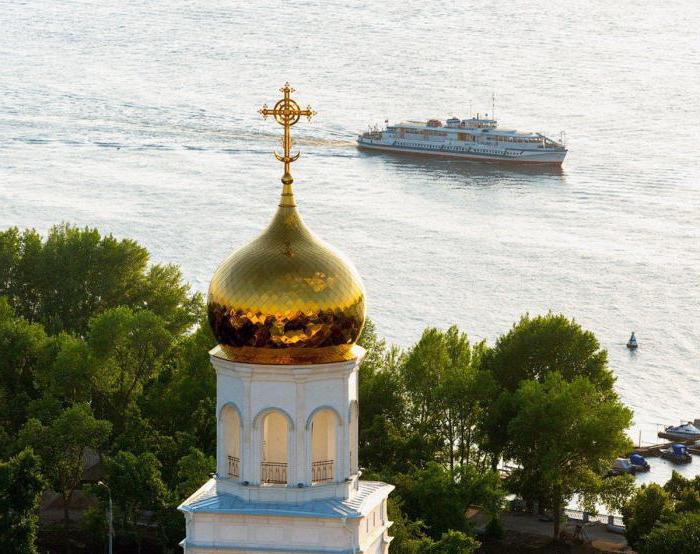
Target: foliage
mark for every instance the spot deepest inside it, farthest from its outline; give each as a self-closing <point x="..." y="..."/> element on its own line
<point x="538" y="346"/>
<point x="565" y="435"/>
<point x="613" y="493"/>
<point x="648" y="506"/>
<point x="136" y="485"/>
<point x="21" y="485"/>
<point x="24" y="349"/>
<point x="408" y="535"/>
<point x="61" y="445"/>
<point x="451" y="542"/>
<point x="534" y="348"/>
<point x="439" y="499"/>
<point x="684" y="492"/>
<point x="96" y="273"/>
<point x="680" y="535"/>
<point x="193" y="470"/>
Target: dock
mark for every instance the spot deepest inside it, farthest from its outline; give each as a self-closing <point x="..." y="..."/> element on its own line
<point x="654" y="450"/>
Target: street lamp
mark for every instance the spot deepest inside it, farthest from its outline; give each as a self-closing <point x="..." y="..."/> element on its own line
<point x="109" y="513"/>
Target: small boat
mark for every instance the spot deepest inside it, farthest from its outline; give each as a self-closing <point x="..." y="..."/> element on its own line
<point x="678" y="454"/>
<point x="683" y="432"/>
<point x="621" y="466"/>
<point x="639" y="463"/>
<point x="632" y="343"/>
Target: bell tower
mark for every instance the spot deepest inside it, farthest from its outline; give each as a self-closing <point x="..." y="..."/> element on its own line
<point x="287" y="310"/>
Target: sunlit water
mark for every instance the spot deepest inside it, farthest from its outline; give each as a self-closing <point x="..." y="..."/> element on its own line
<point x="140" y="118"/>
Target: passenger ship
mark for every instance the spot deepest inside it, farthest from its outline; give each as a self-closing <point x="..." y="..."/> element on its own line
<point x="473" y="139"/>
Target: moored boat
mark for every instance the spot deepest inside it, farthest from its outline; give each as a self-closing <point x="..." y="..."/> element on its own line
<point x="632" y="343"/>
<point x="678" y="454"/>
<point x="475" y="138"/>
<point x="639" y="463"/>
<point x="687" y="431"/>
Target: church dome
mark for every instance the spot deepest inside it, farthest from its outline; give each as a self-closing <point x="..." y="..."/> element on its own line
<point x="287" y="297"/>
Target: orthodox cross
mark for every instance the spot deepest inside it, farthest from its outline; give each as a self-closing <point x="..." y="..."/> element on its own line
<point x="287" y="113"/>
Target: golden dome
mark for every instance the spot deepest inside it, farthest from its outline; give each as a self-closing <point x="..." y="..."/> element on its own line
<point x="287" y="297"/>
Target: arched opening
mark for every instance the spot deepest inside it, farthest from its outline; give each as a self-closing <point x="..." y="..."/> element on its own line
<point x="323" y="447"/>
<point x="275" y="432"/>
<point x="231" y="422"/>
<point x="354" y="440"/>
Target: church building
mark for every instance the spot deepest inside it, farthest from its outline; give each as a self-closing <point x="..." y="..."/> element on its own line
<point x="287" y="310"/>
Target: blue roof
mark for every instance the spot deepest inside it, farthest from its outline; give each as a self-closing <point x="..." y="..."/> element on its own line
<point x="207" y="499"/>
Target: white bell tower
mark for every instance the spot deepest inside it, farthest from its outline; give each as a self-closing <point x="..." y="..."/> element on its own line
<point x="287" y="310"/>
<point x="287" y="478"/>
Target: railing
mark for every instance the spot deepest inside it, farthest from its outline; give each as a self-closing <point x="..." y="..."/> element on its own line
<point x="234" y="465"/>
<point x="590" y="518"/>
<point x="322" y="471"/>
<point x="274" y="473"/>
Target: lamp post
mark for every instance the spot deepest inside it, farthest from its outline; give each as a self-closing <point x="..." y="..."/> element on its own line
<point x="109" y="513"/>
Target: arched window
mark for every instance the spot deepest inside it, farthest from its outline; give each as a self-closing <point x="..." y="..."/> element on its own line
<point x="275" y="435"/>
<point x="324" y="426"/>
<point x="231" y="423"/>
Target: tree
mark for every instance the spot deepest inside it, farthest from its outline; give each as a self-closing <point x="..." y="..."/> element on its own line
<point x="532" y="349"/>
<point x="451" y="542"/>
<point x="432" y="495"/>
<point x="680" y="535"/>
<point x="182" y="398"/>
<point x="136" y="485"/>
<point x="407" y="536"/>
<point x="130" y="347"/>
<point x="61" y="445"/>
<point x="24" y="351"/>
<point x="193" y="470"/>
<point x="75" y="274"/>
<point x="564" y="436"/>
<point x="21" y="485"/>
<point x="536" y="347"/>
<point x="648" y="506"/>
<point x="684" y="492"/>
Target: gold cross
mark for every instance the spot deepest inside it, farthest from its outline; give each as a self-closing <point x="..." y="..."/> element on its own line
<point x="287" y="113"/>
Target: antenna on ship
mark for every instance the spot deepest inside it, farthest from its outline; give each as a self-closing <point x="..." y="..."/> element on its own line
<point x="470" y="109"/>
<point x="493" y="105"/>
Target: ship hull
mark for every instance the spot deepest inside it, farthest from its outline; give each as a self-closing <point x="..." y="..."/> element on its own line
<point x="473" y="154"/>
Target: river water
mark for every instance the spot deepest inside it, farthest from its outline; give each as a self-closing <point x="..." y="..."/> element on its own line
<point x="140" y="118"/>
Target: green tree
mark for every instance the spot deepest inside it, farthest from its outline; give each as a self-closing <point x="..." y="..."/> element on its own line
<point x="451" y="542"/>
<point x="182" y="398"/>
<point x="564" y="436"/>
<point x="407" y="536"/>
<point x="130" y="348"/>
<point x="680" y="535"/>
<point x="684" y="492"/>
<point x="531" y="350"/>
<point x="61" y="445"/>
<point x="75" y="274"/>
<point x="193" y="470"/>
<point x="646" y="508"/>
<point x="136" y="485"/>
<point x="613" y="493"/>
<point x="21" y="485"/>
<point x="24" y="349"/>
<point x="439" y="499"/>
<point x="538" y="346"/>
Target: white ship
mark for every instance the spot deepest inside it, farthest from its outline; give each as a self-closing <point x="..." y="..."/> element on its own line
<point x="473" y="139"/>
